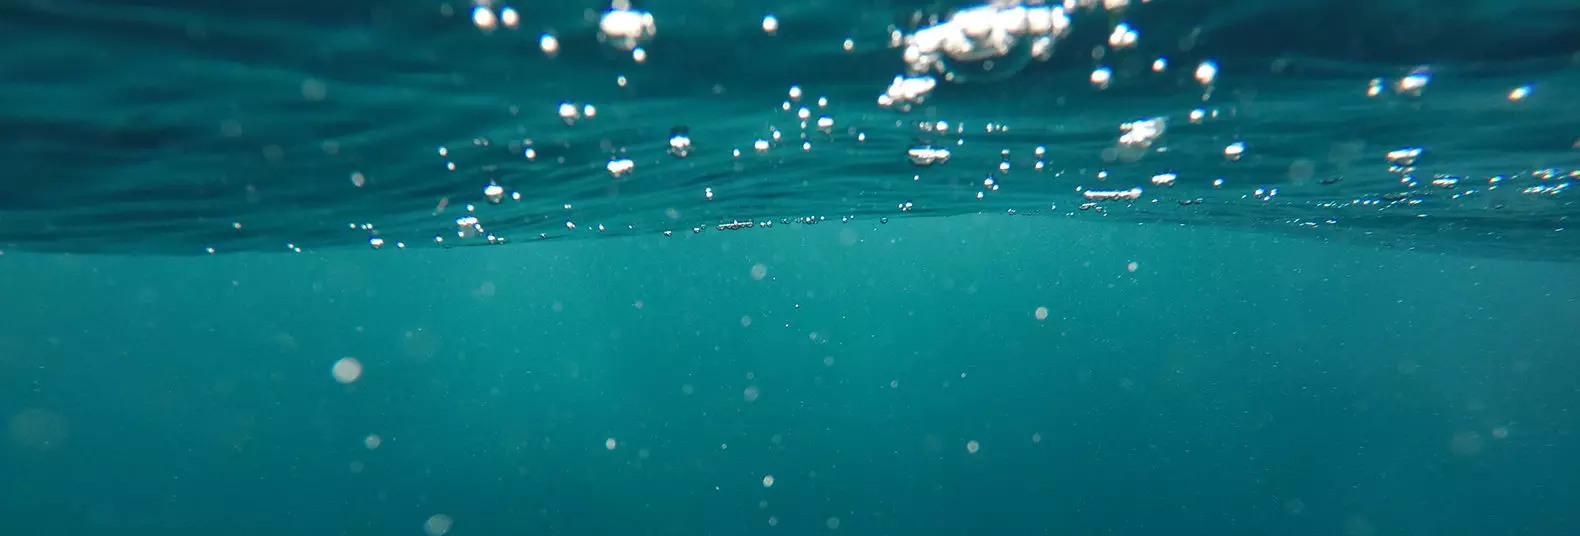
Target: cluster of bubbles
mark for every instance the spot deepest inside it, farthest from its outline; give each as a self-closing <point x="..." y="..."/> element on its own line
<point x="993" y="40"/>
<point x="625" y="27"/>
<point x="984" y="42"/>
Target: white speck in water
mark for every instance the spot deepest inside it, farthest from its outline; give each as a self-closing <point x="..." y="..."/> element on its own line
<point x="620" y="166"/>
<point x="1101" y="77"/>
<point x="484" y="18"/>
<point x="1122" y="37"/>
<point x="437" y="525"/>
<point x="679" y="143"/>
<point x="624" y="27"/>
<point x="347" y="370"/>
<point x="1207" y="72"/>
<point x="1415" y="82"/>
<point x="1234" y="150"/>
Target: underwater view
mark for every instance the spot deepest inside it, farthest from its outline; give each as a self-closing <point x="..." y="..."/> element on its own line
<point x="728" y="267"/>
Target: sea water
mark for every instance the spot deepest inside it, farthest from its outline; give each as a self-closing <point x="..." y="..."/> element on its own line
<point x="1092" y="268"/>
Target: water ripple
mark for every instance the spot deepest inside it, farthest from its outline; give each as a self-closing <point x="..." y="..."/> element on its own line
<point x="258" y="126"/>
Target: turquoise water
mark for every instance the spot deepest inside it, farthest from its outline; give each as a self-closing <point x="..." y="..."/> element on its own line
<point x="1234" y="383"/>
<point x="240" y="293"/>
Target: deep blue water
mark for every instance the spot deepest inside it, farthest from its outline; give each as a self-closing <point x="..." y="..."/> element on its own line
<point x="1324" y="291"/>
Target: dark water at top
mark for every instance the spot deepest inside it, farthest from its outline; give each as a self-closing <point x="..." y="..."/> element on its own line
<point x="254" y="126"/>
<point x="1327" y="290"/>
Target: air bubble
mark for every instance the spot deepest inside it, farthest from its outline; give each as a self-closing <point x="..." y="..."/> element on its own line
<point x="679" y="142"/>
<point x="626" y="28"/>
<point x="1206" y="73"/>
